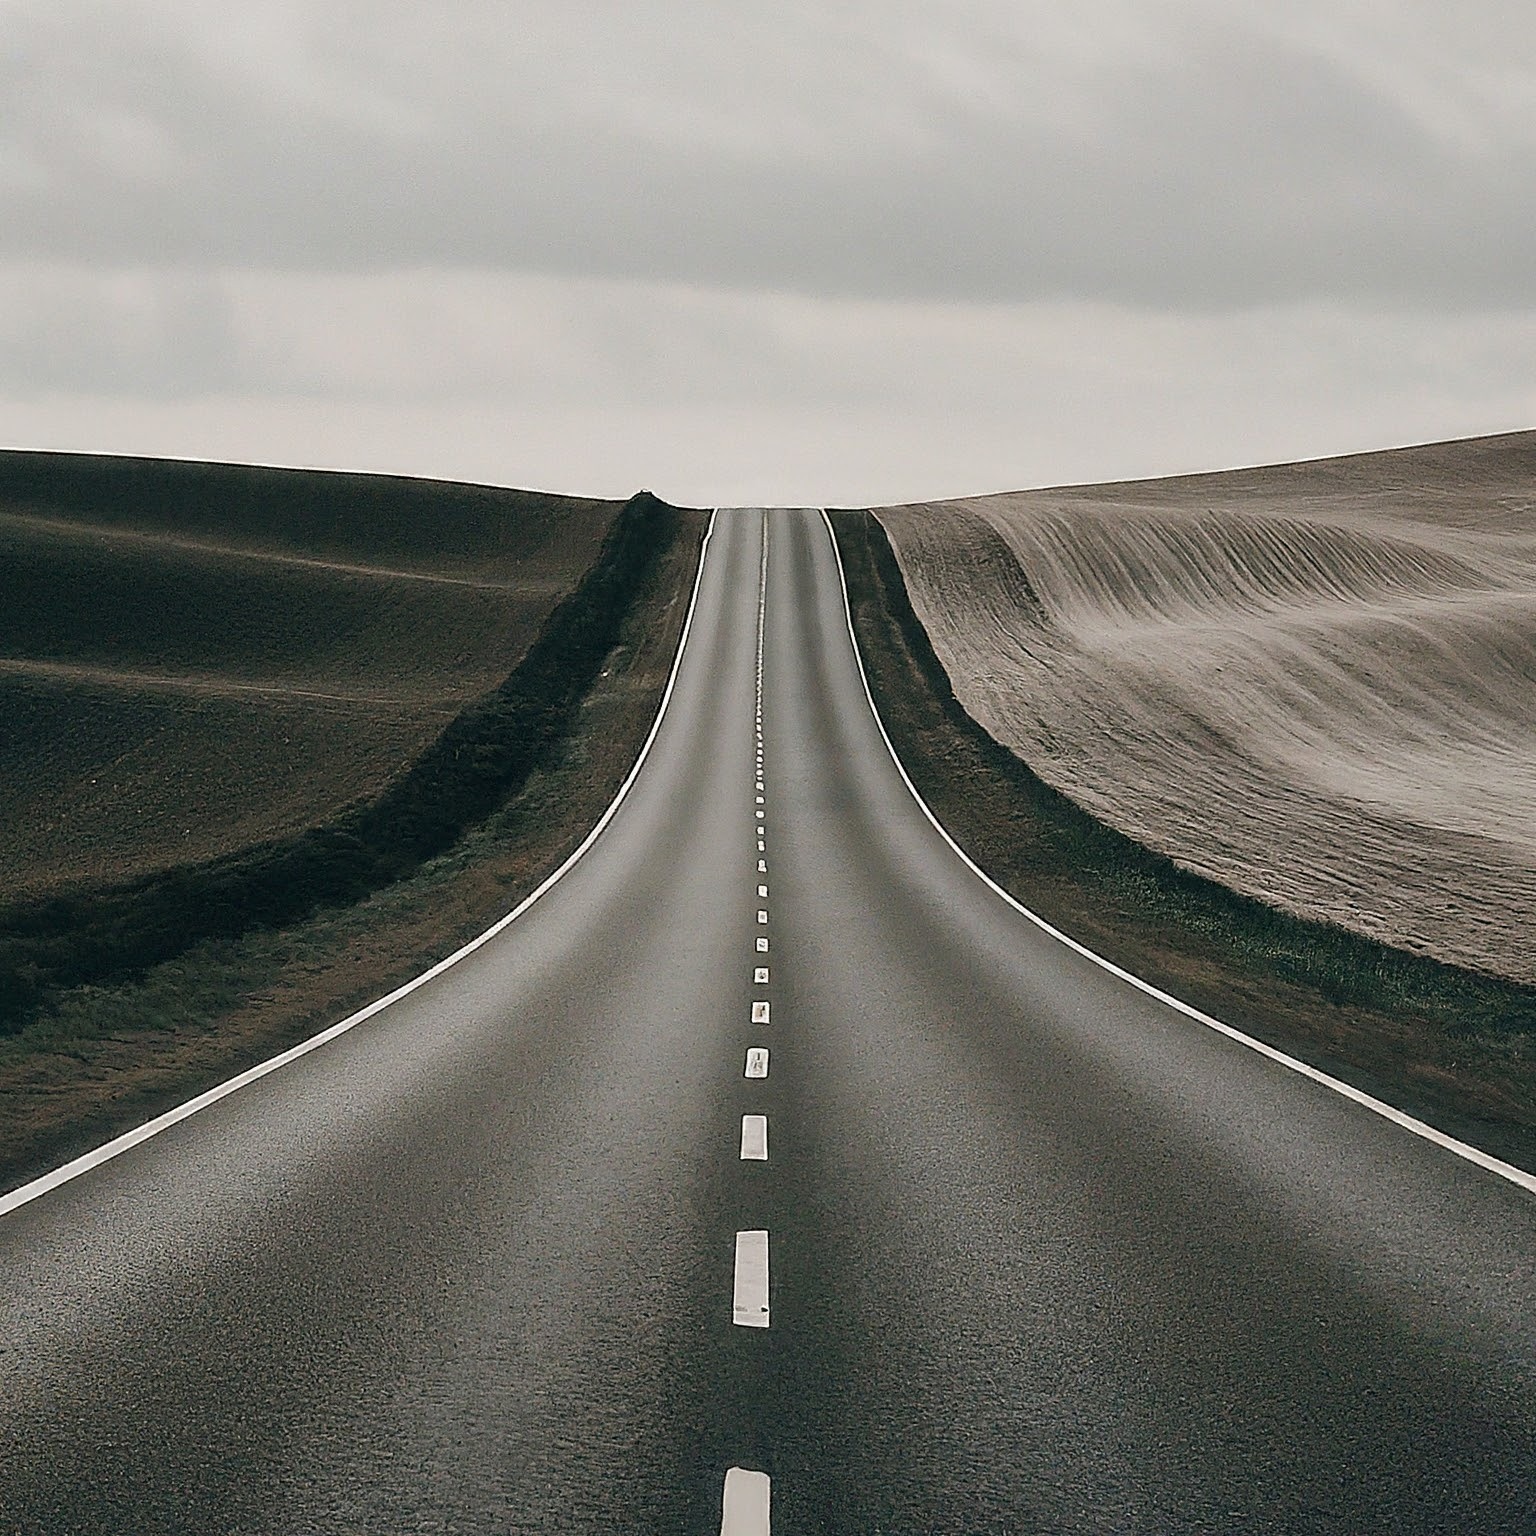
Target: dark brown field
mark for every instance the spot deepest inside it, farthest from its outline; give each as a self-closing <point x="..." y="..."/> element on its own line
<point x="202" y="658"/>
<point x="195" y="658"/>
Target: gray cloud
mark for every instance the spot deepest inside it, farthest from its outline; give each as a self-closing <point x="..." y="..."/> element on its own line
<point x="874" y="250"/>
<point x="1193" y="154"/>
<point x="155" y="333"/>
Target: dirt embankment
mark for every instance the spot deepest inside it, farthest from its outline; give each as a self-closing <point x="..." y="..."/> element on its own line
<point x="1314" y="683"/>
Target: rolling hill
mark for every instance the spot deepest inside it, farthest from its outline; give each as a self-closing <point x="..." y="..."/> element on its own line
<point x="1314" y="683"/>
<point x="195" y="658"/>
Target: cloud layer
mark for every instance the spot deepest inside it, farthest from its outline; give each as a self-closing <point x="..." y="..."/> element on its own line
<point x="592" y="384"/>
<point x="863" y="251"/>
<point x="1209" y="152"/>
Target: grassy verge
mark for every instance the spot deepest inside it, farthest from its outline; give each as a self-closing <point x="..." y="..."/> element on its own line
<point x="1452" y="1046"/>
<point x="98" y="1056"/>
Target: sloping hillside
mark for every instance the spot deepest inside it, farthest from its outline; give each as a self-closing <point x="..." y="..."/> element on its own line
<point x="197" y="657"/>
<point x="1314" y="682"/>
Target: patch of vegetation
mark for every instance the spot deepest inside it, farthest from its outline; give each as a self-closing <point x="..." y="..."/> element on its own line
<point x="1452" y="1043"/>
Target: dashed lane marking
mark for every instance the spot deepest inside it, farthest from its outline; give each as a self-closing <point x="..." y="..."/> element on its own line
<point x="744" y="1510"/>
<point x="754" y="1138"/>
<point x="750" y="1304"/>
<point x="745" y="1501"/>
<point x="762" y="915"/>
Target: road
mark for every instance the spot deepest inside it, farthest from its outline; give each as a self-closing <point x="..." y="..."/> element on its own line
<point x="1041" y="1253"/>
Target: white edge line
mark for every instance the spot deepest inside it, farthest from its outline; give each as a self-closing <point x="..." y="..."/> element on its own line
<point x="129" y="1139"/>
<point x="1462" y="1149"/>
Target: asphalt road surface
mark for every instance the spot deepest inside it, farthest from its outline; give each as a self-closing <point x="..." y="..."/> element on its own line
<point x="1028" y="1250"/>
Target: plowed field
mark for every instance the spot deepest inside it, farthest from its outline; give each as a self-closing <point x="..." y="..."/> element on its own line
<point x="1315" y="682"/>
<point x="194" y="658"/>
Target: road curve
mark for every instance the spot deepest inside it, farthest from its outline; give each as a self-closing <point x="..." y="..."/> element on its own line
<point x="989" y="1241"/>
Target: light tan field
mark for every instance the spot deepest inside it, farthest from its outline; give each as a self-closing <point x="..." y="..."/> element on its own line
<point x="1315" y="683"/>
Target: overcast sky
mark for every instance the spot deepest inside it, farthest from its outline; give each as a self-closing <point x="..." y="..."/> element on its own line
<point x="788" y="252"/>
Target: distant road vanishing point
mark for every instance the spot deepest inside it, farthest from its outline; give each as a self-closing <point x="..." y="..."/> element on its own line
<point x="771" y="1171"/>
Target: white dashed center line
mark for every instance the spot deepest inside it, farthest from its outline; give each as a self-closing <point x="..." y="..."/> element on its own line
<point x="754" y="1138"/>
<point x="744" y="1505"/>
<point x="744" y="1509"/>
<point x="750" y="1305"/>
